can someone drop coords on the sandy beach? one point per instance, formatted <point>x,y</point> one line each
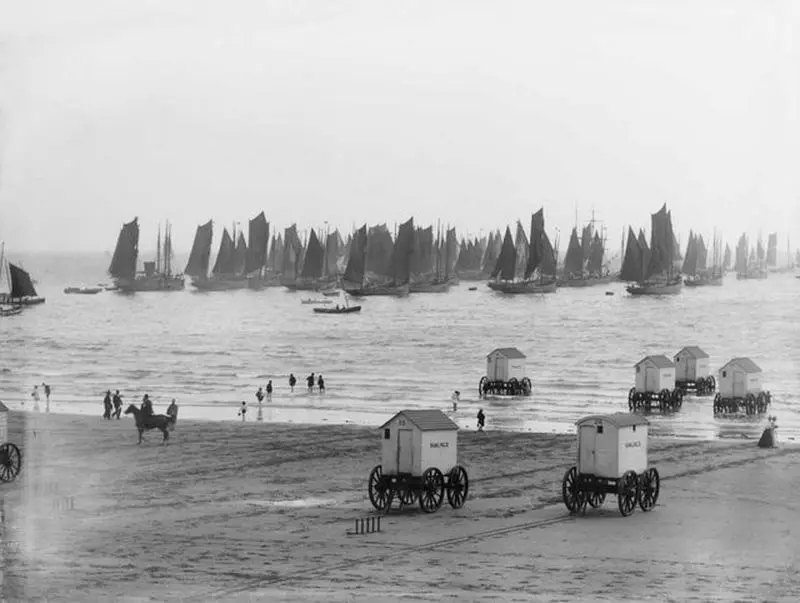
<point>262,512</point>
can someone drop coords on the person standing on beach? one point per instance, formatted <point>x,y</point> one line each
<point>243,411</point>
<point>269,391</point>
<point>481,420</point>
<point>35,396</point>
<point>321,384</point>
<point>260,395</point>
<point>47,396</point>
<point>117,405</point>
<point>107,405</point>
<point>310,382</point>
<point>292,381</point>
<point>172,413</point>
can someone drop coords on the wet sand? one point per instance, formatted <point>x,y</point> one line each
<point>262,512</point>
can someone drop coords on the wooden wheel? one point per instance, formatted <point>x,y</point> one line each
<point>712,383</point>
<point>627,492</point>
<point>457,486</point>
<point>378,489</point>
<point>750,404</point>
<point>700,386</point>
<point>677,398</point>
<point>527,386</point>
<point>649,487</point>
<point>432,491</point>
<point>513,387</point>
<point>631,395</point>
<point>482,386</point>
<point>10,462</point>
<point>718,403</point>
<point>571,491</point>
<point>407,495</point>
<point>596,499</point>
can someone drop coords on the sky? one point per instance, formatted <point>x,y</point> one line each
<point>474,114</point>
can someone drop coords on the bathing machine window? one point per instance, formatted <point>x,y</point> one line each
<point>387,434</point>
<point>599,429</point>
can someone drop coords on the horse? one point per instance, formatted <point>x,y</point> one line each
<point>143,423</point>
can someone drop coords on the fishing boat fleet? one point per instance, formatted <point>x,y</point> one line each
<point>373,261</point>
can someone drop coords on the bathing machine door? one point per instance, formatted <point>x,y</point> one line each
<point>405,450</point>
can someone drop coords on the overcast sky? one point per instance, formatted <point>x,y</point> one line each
<point>475,113</point>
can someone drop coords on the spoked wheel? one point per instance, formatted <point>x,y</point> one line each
<point>571,491</point>
<point>649,487</point>
<point>631,393</point>
<point>513,387</point>
<point>627,492</point>
<point>711,383</point>
<point>677,398</point>
<point>700,386</point>
<point>596,499</point>
<point>717,403</point>
<point>407,495</point>
<point>378,489</point>
<point>457,486</point>
<point>432,491</point>
<point>527,386</point>
<point>10,462</point>
<point>482,386</point>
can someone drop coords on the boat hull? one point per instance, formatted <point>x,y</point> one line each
<point>746,276</point>
<point>523,287</point>
<point>311,285</point>
<point>587,282</point>
<point>347,310</point>
<point>703,282</point>
<point>378,290</point>
<point>12,311</point>
<point>666,288</point>
<point>83,290</point>
<point>472,275</point>
<point>218,284</point>
<point>151,283</point>
<point>21,301</point>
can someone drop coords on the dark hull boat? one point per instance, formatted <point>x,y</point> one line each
<point>667,287</point>
<point>539,256</point>
<point>83,290</point>
<point>694,263</point>
<point>703,281</point>
<point>651,268</point>
<point>388,261</point>
<point>345,310</point>
<point>157,275</point>
<point>10,311</point>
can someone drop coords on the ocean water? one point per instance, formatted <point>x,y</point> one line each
<point>213,350</point>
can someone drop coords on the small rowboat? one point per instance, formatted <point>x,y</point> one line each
<point>317,301</point>
<point>83,290</point>
<point>10,311</point>
<point>330,293</point>
<point>340,310</point>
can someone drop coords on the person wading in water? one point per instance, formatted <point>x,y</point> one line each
<point>321,384</point>
<point>310,382</point>
<point>107,405</point>
<point>172,413</point>
<point>117,405</point>
<point>292,381</point>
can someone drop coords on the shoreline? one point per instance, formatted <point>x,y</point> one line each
<point>327,417</point>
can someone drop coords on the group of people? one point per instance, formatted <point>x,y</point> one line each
<point>35,395</point>
<point>112,405</point>
<point>310,382</point>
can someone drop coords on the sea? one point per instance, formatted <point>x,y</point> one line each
<point>211,351</point>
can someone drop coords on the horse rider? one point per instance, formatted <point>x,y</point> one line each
<point>147,407</point>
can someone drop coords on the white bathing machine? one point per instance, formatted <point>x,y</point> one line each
<point>654,385</point>
<point>419,461</point>
<point>10,456</point>
<point>611,459</point>
<point>505,374</point>
<point>740,388</point>
<point>692,371</point>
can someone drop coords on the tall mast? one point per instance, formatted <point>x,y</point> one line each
<point>158,250</point>
<point>168,249</point>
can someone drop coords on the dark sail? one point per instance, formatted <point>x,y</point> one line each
<point>536,251</point>
<point>401,253</point>
<point>632,264</point>
<point>422,255</point>
<point>661,244</point>
<point>548,264</point>
<point>314,260</point>
<point>126,253</point>
<point>506,261</point>
<point>258,235</point>
<point>726,263</point>
<point>573,260</point>
<point>702,254</point>
<point>21,283</point>
<point>772,249</point>
<point>226,259</point>
<point>644,250</point>
<point>690,258</point>
<point>741,254</point>
<point>522,246</point>
<point>292,253</point>
<point>451,252</point>
<point>586,243</point>
<point>200,255</point>
<point>333,246</point>
<point>240,255</point>
<point>356,264</point>
<point>379,251</point>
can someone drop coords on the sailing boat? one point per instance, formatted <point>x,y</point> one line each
<point>468,265</point>
<point>583,262</point>
<point>228,271</point>
<point>292,260</point>
<point>197,266</point>
<point>21,290</point>
<point>311,275</point>
<point>430,262</point>
<point>157,275</point>
<point>541,260</point>
<point>659,276</point>
<point>376,267</point>
<point>694,263</point>
<point>749,267</point>
<point>256,266</point>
